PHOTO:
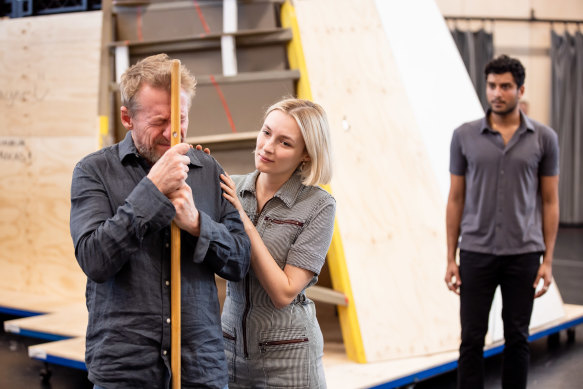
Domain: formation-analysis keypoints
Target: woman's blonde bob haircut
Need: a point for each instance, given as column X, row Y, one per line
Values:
column 313, row 123
column 155, row 71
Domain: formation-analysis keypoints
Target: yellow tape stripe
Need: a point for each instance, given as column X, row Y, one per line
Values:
column 295, row 53
column 103, row 129
column 336, row 259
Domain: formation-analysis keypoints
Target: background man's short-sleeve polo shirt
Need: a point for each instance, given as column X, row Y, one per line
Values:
column 502, row 211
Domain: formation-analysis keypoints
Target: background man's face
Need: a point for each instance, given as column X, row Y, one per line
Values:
column 502, row 92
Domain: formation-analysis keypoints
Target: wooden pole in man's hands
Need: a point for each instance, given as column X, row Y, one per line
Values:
column 175, row 236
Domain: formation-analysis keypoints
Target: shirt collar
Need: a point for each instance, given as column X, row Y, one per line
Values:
column 288, row 193
column 525, row 123
column 128, row 148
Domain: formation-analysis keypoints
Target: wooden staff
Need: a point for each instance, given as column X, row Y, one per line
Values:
column 175, row 236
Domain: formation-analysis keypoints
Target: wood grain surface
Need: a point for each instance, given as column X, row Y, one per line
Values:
column 49, row 71
column 389, row 207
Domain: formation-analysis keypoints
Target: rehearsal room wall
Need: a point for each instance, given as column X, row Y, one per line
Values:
column 529, row 42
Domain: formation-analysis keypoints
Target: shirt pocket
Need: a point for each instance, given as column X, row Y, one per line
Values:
column 279, row 235
column 285, row 357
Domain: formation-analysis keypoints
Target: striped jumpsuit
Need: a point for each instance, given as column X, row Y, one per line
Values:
column 268, row 347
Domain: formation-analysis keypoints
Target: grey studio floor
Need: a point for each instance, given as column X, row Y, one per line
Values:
column 553, row 366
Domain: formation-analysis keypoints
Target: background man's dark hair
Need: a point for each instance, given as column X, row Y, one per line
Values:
column 504, row 64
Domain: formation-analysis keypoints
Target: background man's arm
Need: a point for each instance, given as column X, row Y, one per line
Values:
column 549, row 186
column 453, row 217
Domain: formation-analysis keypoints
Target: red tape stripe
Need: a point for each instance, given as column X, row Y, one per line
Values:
column 201, row 17
column 215, row 83
column 225, row 106
column 139, row 25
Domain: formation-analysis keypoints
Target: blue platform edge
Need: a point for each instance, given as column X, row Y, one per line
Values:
column 449, row 366
column 19, row 312
column 63, row 362
column 80, row 365
column 405, row 380
column 43, row 335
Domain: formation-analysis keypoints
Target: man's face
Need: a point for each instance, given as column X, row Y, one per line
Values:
column 150, row 124
column 502, row 93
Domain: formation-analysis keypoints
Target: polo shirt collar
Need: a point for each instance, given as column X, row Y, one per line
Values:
column 128, row 148
column 525, row 123
column 288, row 193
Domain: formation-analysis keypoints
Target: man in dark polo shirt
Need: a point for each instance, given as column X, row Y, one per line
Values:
column 503, row 212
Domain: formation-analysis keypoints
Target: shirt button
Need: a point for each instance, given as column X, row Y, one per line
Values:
column 164, row 352
column 167, row 283
column 168, row 320
column 502, row 172
column 167, row 245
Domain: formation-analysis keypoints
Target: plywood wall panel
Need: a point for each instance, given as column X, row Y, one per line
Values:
column 48, row 74
column 37, row 253
column 48, row 121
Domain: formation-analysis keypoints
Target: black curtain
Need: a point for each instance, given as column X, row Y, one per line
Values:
column 476, row 49
column 567, row 120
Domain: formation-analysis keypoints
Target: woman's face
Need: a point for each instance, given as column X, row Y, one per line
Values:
column 280, row 146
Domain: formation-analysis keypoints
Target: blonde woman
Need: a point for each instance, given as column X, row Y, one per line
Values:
column 272, row 337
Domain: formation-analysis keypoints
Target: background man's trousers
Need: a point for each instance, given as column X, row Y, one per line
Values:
column 480, row 275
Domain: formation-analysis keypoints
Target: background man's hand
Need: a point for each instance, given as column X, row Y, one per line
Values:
column 452, row 277
column 546, row 274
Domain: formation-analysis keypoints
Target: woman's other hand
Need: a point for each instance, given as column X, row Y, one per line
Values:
column 206, row 149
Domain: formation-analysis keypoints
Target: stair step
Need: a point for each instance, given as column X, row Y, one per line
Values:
column 256, row 51
column 139, row 22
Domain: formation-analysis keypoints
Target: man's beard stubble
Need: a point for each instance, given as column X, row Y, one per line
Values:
column 148, row 153
column 504, row 112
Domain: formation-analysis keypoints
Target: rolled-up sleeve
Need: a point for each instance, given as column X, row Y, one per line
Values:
column 224, row 245
column 105, row 238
